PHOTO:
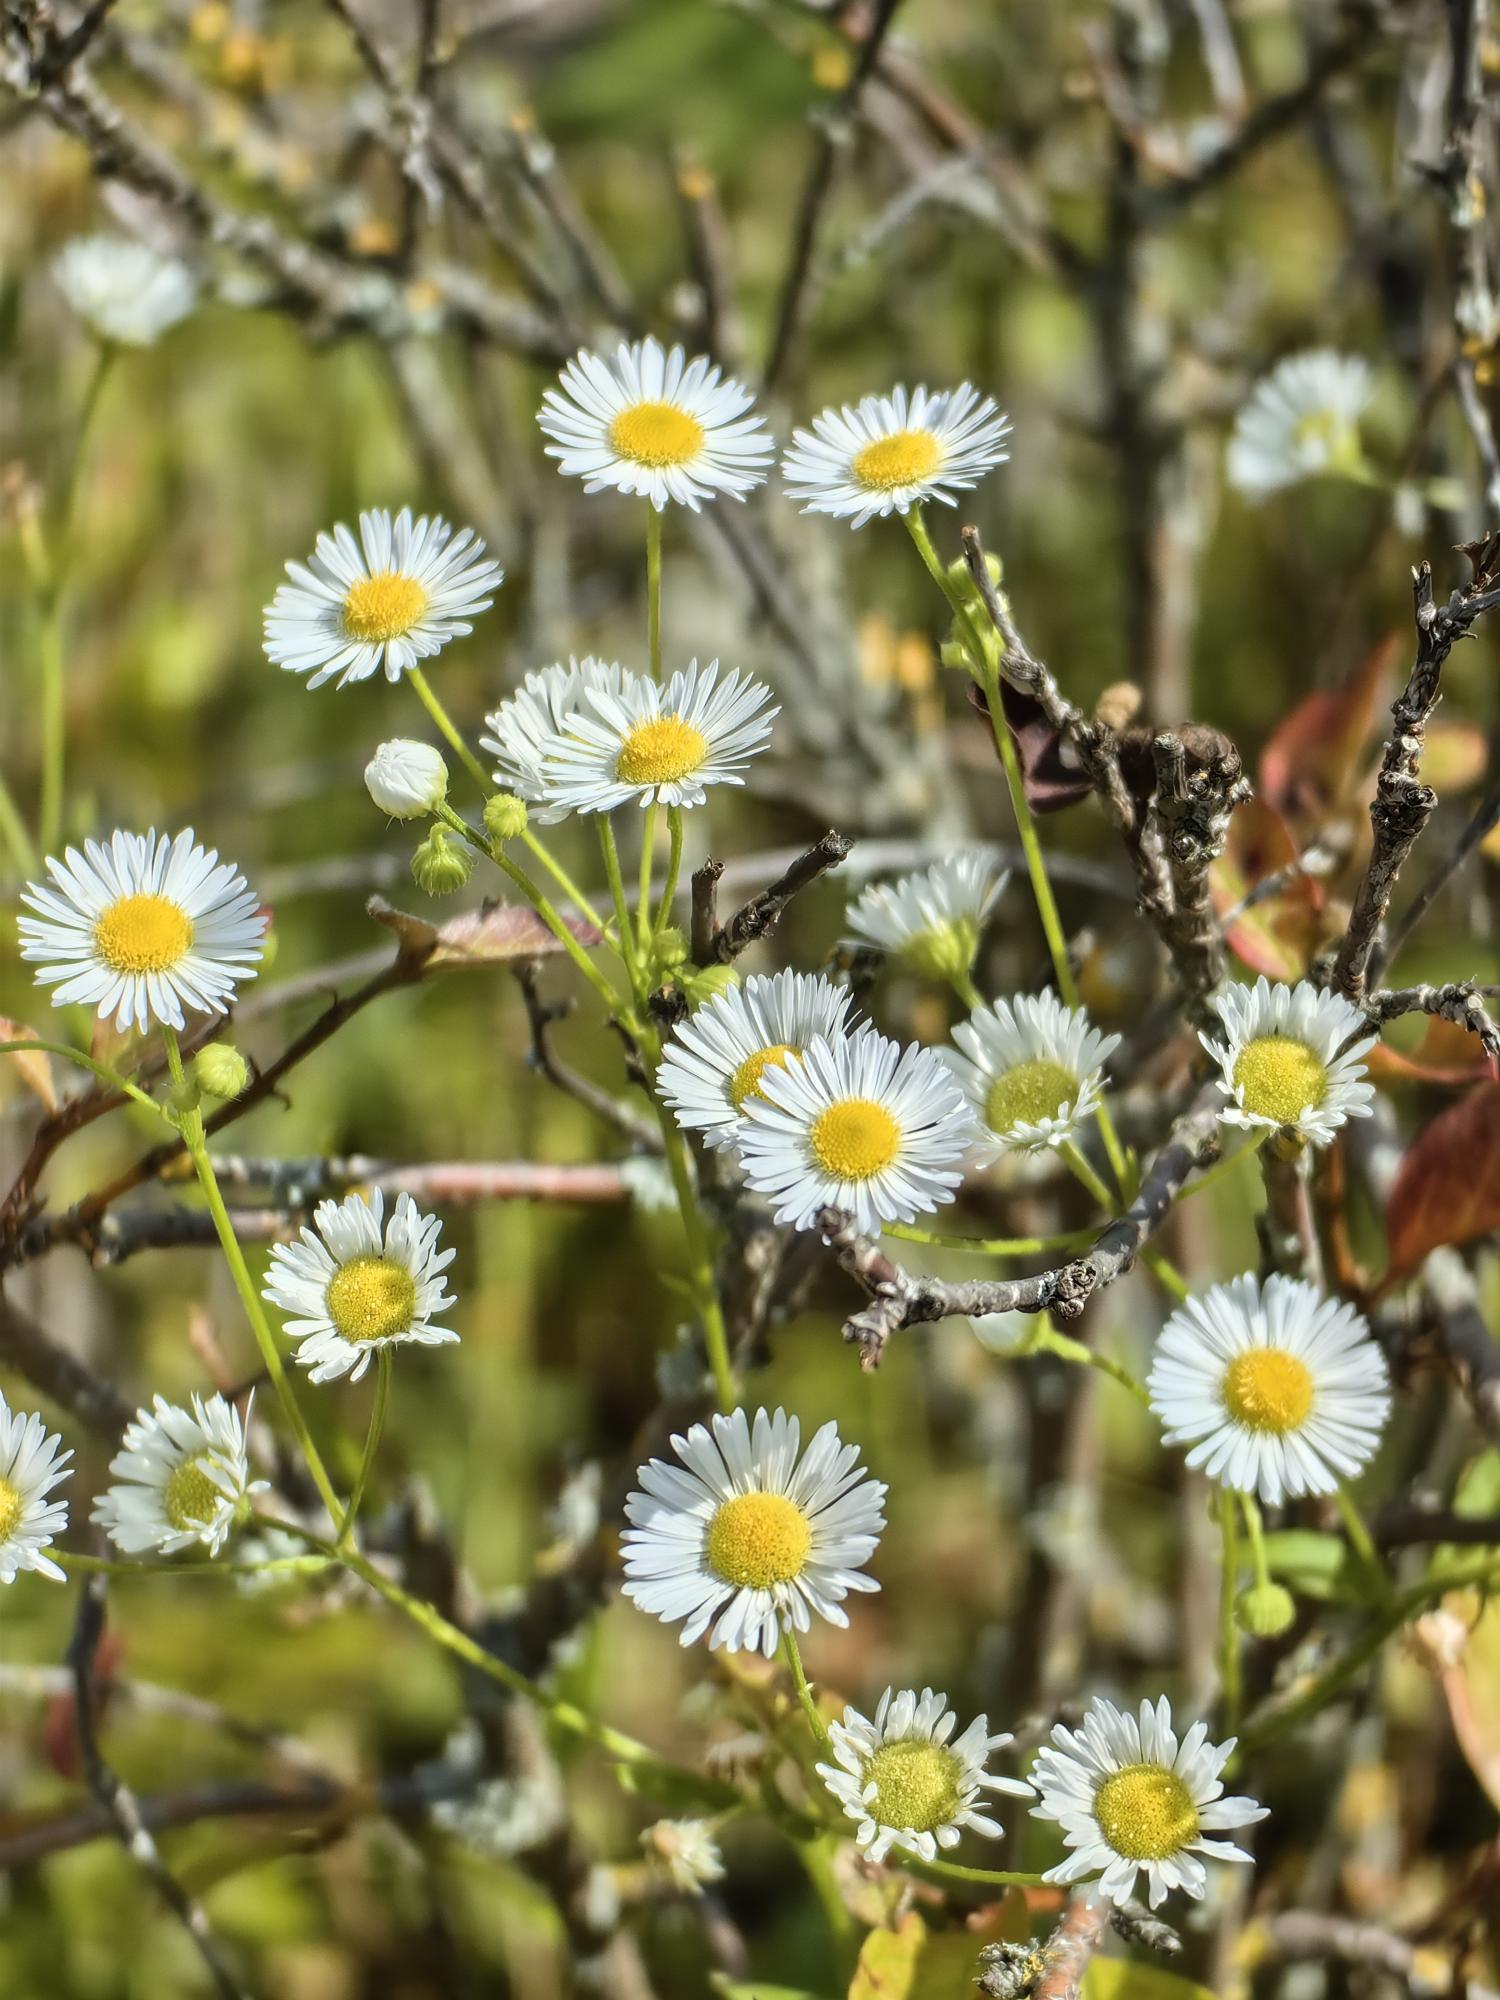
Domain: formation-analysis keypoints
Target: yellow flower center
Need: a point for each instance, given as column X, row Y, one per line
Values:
column 916, row 1785
column 12, row 1506
column 1029, row 1093
column 745, row 1083
column 1267, row 1389
column 657, row 435
column 1279, row 1078
column 898, row 460
column 190, row 1499
column 757, row 1540
column 371, row 1298
column 383, row 606
column 854, row 1139
column 142, row 934
column 1146, row 1813
column 660, row 751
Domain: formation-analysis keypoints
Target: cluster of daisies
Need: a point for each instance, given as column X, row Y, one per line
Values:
column 745, row 1537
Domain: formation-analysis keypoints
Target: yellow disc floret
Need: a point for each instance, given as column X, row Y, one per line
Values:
column 145, row 933
column 371, row 1298
column 901, row 459
column 11, row 1509
column 1279, row 1078
column 1146, row 1813
column 1267, row 1389
column 916, row 1785
column 757, row 1540
column 190, row 1498
column 1029, row 1093
column 745, row 1083
column 660, row 751
column 656, row 435
column 854, row 1139
column 384, row 606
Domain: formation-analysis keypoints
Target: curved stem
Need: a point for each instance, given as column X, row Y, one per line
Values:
column 955, row 1871
column 963, row 985
column 699, row 1256
column 1254, row 1530
column 1053, row 1342
column 674, row 869
column 372, row 1443
column 643, row 891
column 815, row 1722
column 1082, row 1172
column 653, row 589
column 989, row 1246
column 1363, row 1542
column 564, row 880
column 173, row 1566
column 446, row 729
column 102, row 1070
column 616, row 882
column 555, row 923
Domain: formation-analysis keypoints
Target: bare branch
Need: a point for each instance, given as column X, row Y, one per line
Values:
column 1459, row 1002
column 759, row 917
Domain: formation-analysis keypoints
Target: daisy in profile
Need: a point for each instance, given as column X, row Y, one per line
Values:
column 859, row 1124
column 1292, row 1058
column 932, row 919
column 1032, row 1069
column 30, row 1466
column 1132, row 1800
column 350, row 1288
column 651, row 743
column 905, row 1784
column 141, row 927
column 392, row 599
column 1303, row 419
column 126, row 293
column 183, row 1479
column 890, row 453
column 653, row 423
column 741, row 1538
column 718, row 1056
column 1279, row 1392
column 543, row 706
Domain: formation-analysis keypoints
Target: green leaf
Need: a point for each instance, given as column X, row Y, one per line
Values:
column 756, row 1989
column 1121, row 1979
column 887, row 1968
column 1314, row 1565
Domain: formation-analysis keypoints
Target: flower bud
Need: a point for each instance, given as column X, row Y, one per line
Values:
column 440, row 865
column 505, row 817
column 220, row 1071
column 671, row 949
column 1265, row 1611
column 707, row 982
column 407, row 779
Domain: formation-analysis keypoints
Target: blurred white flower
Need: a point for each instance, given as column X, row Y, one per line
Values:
column 124, row 291
column 687, row 1850
column 30, row 1466
column 1303, row 419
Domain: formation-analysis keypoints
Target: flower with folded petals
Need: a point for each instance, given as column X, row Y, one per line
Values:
column 126, row 293
column 932, row 919
column 541, row 708
column 406, row 779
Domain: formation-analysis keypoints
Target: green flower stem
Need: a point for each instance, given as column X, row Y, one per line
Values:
column 699, row 1257
column 643, row 892
column 815, row 1722
column 1050, row 1341
column 1165, row 1272
column 616, row 881
column 174, row 1566
column 372, row 1443
column 563, row 880
column 102, row 1070
column 963, row 985
column 989, row 1246
column 653, row 589
column 954, row 1871
column 190, row 1125
column 674, row 869
column 553, row 919
column 1253, row 1529
column 1229, row 1636
column 1220, row 1167
column 1363, row 1542
column 423, row 689
column 817, row 1857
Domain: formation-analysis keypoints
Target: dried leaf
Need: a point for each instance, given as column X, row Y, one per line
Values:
column 1049, row 768
column 495, row 934
column 887, row 1968
column 1448, row 1186
column 1279, row 935
column 1447, row 1053
column 28, row 1066
column 1313, row 760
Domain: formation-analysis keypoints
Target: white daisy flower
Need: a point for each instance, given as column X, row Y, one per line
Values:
column 543, row 707
column 905, row 1784
column 651, row 423
column 184, row 1478
column 141, row 927
column 351, row 1288
column 932, row 919
column 859, row 1124
column 1292, row 1056
column 718, row 1056
column 1131, row 1799
column 1279, row 1392
column 687, row 1850
column 646, row 741
column 1032, row 1069
column 30, row 1466
column 122, row 289
column 405, row 779
column 741, row 1538
column 890, row 453
column 393, row 598
column 1303, row 419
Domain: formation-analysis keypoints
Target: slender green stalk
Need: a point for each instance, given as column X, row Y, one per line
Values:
column 643, row 891
column 963, row 985
column 1082, row 1172
column 1053, row 1342
column 564, row 880
column 674, row 869
column 102, row 1070
column 1255, row 1531
column 955, row 1871
column 1229, row 1634
column 699, row 1256
column 175, row 1566
column 14, row 833
column 555, row 923
column 616, row 882
column 1220, row 1167
column 190, row 1125
column 989, row 1246
column 1363, row 1541
column 653, row 589
column 817, row 1857
column 372, row 1443
column 424, row 692
column 815, row 1722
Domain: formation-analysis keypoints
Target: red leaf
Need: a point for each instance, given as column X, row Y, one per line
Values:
column 1447, row 1053
column 1313, row 759
column 1448, row 1187
column 1279, row 935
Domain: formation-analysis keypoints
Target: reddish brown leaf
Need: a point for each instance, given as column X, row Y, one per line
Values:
column 27, row 1066
column 494, row 934
column 1447, row 1053
column 1313, row 759
column 1448, row 1187
column 1279, row 935
column 1048, row 769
